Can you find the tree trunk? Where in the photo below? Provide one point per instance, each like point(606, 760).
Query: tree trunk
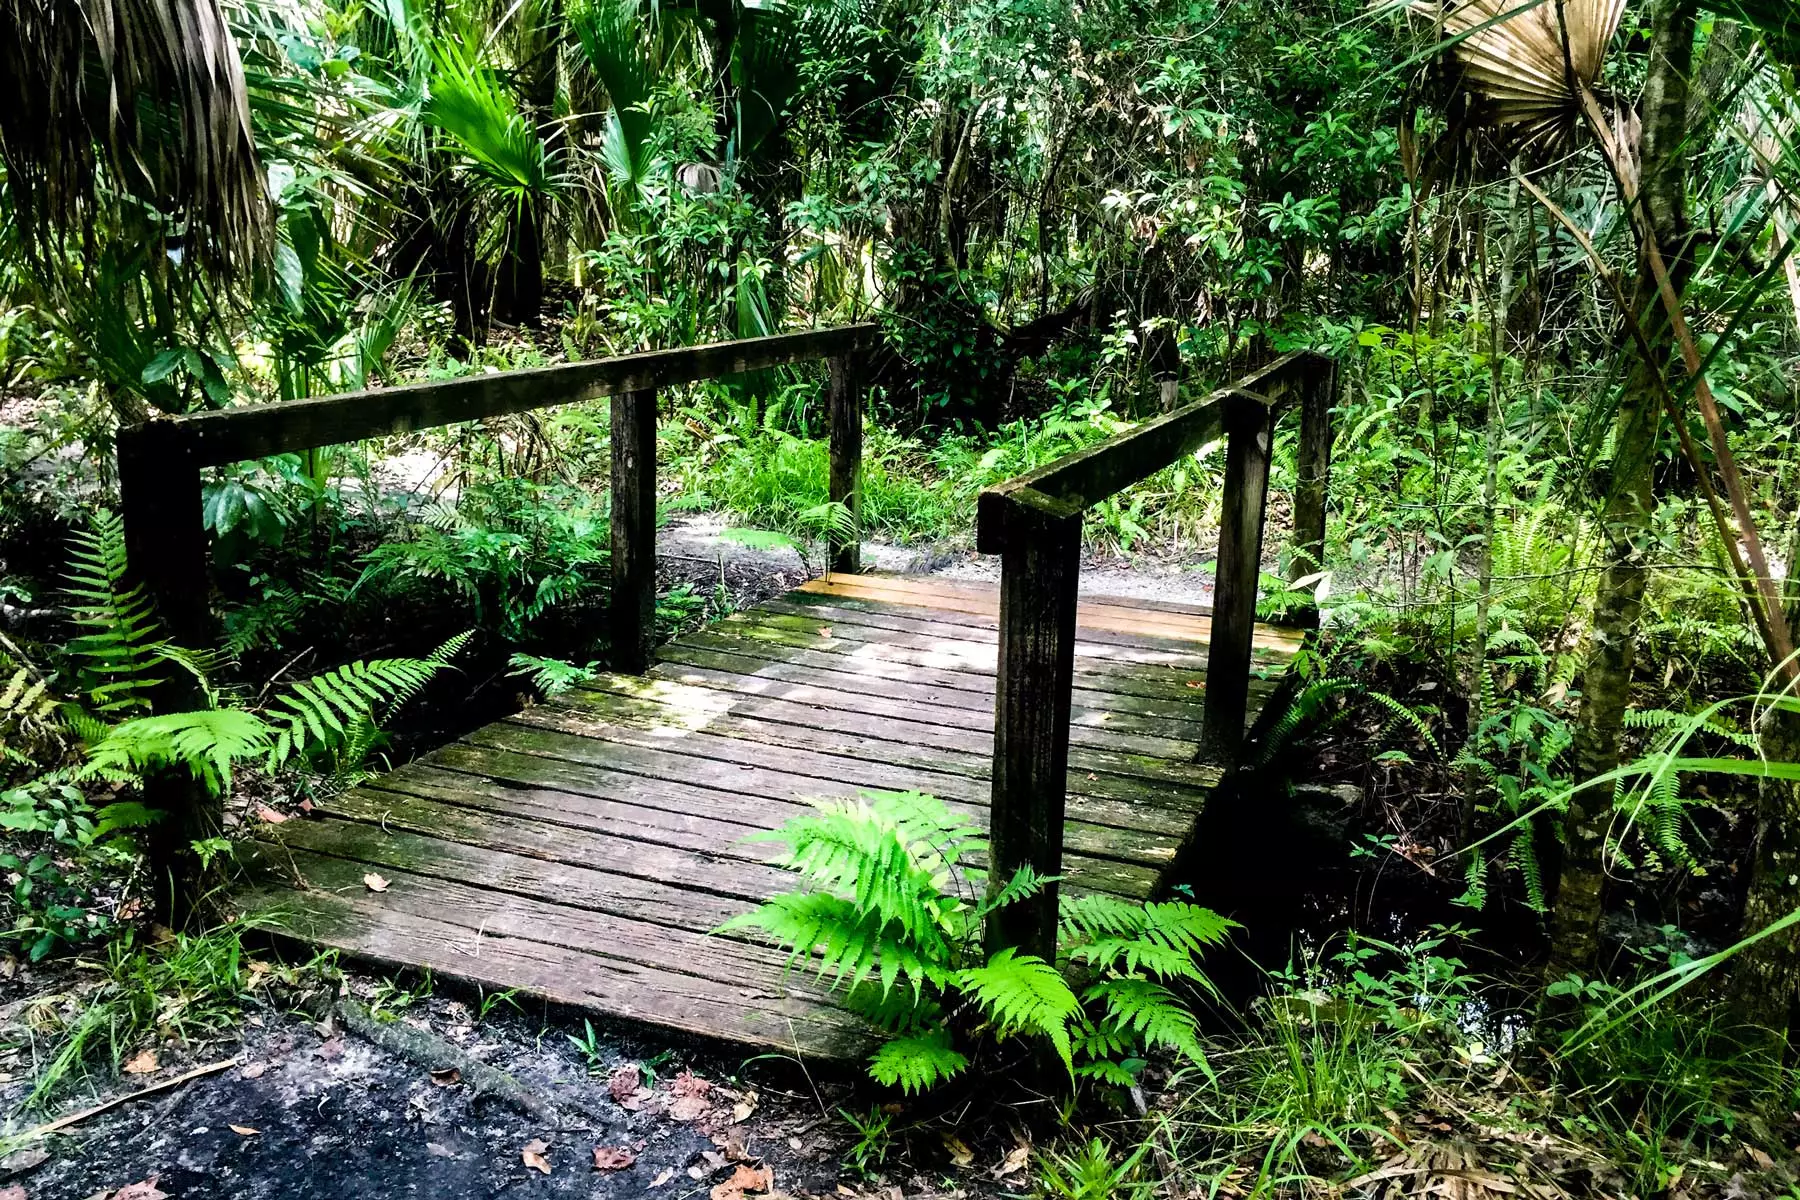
point(1630, 501)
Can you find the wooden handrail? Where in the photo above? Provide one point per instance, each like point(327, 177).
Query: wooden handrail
point(1034, 523)
point(160, 489)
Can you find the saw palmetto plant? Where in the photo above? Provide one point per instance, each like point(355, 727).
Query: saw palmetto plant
point(134, 111)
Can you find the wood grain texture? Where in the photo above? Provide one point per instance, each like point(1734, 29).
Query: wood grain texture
point(582, 849)
point(256, 431)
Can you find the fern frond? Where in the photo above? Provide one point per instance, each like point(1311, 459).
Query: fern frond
point(206, 743)
point(1151, 1013)
point(116, 655)
point(1023, 993)
point(917, 1062)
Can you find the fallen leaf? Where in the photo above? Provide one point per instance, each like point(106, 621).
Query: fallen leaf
point(688, 1108)
point(145, 1190)
point(667, 1174)
point(331, 1049)
point(269, 815)
point(1014, 1162)
point(623, 1083)
point(21, 1161)
point(689, 1084)
point(742, 1110)
point(533, 1155)
point(960, 1154)
point(1763, 1161)
point(1195, 683)
point(439, 1150)
point(254, 1070)
point(744, 1180)
point(306, 806)
point(374, 882)
point(612, 1158)
point(245, 1131)
point(446, 1077)
point(143, 1063)
point(824, 631)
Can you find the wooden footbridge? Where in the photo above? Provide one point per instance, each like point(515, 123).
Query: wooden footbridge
point(583, 849)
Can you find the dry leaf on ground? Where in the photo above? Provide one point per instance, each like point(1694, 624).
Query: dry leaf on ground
point(245, 1131)
point(446, 1077)
point(689, 1084)
point(744, 1180)
point(144, 1190)
point(533, 1155)
point(254, 1070)
point(1014, 1162)
point(269, 815)
point(144, 1062)
point(612, 1158)
point(374, 882)
point(960, 1154)
point(688, 1108)
point(667, 1174)
point(624, 1083)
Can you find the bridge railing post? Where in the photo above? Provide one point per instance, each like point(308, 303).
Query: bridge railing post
point(1312, 469)
point(845, 419)
point(632, 619)
point(1247, 426)
point(160, 503)
point(1040, 568)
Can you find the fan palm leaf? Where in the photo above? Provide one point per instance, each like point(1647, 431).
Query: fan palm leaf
point(131, 111)
point(1529, 60)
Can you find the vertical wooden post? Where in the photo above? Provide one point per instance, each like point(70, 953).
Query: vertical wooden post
point(165, 549)
point(633, 616)
point(846, 422)
point(1234, 584)
point(1040, 569)
point(1312, 469)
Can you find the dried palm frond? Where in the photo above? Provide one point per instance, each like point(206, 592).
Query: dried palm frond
point(1528, 60)
point(131, 111)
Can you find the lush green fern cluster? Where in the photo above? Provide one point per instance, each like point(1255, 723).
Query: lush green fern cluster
point(893, 909)
point(513, 549)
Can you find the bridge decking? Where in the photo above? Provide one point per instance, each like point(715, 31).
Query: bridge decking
point(582, 849)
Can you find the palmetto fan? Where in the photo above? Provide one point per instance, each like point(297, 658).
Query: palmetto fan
point(1529, 61)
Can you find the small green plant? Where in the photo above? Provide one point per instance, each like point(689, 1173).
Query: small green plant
point(551, 676)
point(191, 987)
point(590, 1047)
point(394, 995)
point(488, 1003)
point(893, 911)
point(874, 1139)
point(1091, 1174)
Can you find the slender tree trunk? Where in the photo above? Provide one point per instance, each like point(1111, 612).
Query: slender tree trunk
point(1630, 501)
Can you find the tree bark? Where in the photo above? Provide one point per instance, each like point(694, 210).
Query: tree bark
point(1630, 501)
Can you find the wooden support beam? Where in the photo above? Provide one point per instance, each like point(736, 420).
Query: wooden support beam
point(633, 617)
point(1312, 468)
point(165, 550)
point(1247, 422)
point(1040, 574)
point(846, 421)
point(233, 434)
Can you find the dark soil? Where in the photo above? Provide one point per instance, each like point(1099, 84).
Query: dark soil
point(334, 1116)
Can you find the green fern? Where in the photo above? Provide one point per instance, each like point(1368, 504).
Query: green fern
point(334, 711)
point(1021, 992)
point(891, 897)
point(917, 1062)
point(119, 663)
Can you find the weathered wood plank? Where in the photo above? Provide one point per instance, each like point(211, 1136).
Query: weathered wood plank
point(1312, 485)
point(1169, 739)
point(1124, 754)
point(632, 623)
point(935, 591)
point(1040, 573)
point(412, 926)
point(720, 763)
point(1106, 773)
point(1239, 569)
point(256, 431)
point(974, 691)
point(845, 418)
point(1089, 476)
